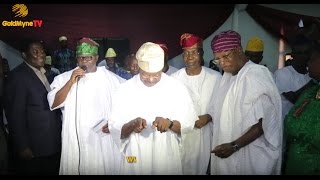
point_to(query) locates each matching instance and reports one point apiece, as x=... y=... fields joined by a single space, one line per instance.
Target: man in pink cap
x=246 y=113
x=201 y=83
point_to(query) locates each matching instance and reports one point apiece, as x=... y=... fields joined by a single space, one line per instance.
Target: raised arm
x=61 y=95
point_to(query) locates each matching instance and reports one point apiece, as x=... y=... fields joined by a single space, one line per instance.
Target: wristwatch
x=235 y=147
x=171 y=123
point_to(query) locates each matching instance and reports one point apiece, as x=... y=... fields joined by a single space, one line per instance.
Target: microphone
x=84 y=68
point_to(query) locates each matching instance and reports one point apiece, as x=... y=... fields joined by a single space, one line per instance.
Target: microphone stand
x=76 y=119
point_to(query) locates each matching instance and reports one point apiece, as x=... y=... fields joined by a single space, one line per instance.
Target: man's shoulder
x=255 y=72
x=284 y=70
x=66 y=74
x=171 y=81
x=20 y=74
x=129 y=85
x=102 y=63
x=111 y=77
x=173 y=68
x=178 y=72
x=55 y=70
x=121 y=70
x=20 y=69
x=255 y=68
x=105 y=71
x=212 y=72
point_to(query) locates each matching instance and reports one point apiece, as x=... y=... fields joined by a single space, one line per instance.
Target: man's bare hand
x=223 y=150
x=162 y=124
x=139 y=124
x=105 y=128
x=203 y=120
x=77 y=73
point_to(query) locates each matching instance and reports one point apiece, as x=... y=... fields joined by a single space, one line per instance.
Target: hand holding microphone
x=84 y=68
x=78 y=73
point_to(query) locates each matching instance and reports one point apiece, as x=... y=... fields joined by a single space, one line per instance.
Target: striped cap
x=226 y=41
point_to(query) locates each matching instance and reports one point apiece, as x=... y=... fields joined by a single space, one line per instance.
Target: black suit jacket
x=31 y=122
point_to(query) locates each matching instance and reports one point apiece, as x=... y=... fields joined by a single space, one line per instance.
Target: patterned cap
x=87 y=46
x=226 y=41
x=190 y=41
x=163 y=46
x=150 y=57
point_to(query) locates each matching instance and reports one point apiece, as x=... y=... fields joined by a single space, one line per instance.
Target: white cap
x=48 y=60
x=62 y=38
x=301 y=23
x=150 y=57
x=110 y=53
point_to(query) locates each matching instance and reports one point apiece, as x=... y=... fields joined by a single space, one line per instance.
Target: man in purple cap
x=246 y=113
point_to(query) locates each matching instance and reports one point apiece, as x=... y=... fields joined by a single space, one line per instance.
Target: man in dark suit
x=34 y=130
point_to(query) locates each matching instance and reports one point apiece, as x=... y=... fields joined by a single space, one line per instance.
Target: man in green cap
x=84 y=96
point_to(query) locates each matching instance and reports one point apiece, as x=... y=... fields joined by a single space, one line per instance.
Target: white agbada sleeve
x=251 y=96
x=58 y=82
x=255 y=89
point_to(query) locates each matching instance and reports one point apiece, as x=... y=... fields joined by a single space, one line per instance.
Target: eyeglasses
x=225 y=57
x=85 y=58
x=191 y=53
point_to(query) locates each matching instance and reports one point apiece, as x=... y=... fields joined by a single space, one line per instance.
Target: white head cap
x=150 y=57
x=62 y=38
x=110 y=53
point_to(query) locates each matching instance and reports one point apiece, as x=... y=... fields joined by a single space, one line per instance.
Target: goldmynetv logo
x=21 y=10
x=131 y=159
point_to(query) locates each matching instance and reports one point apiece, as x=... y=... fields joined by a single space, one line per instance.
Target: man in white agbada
x=201 y=82
x=246 y=113
x=84 y=95
x=292 y=80
x=150 y=114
